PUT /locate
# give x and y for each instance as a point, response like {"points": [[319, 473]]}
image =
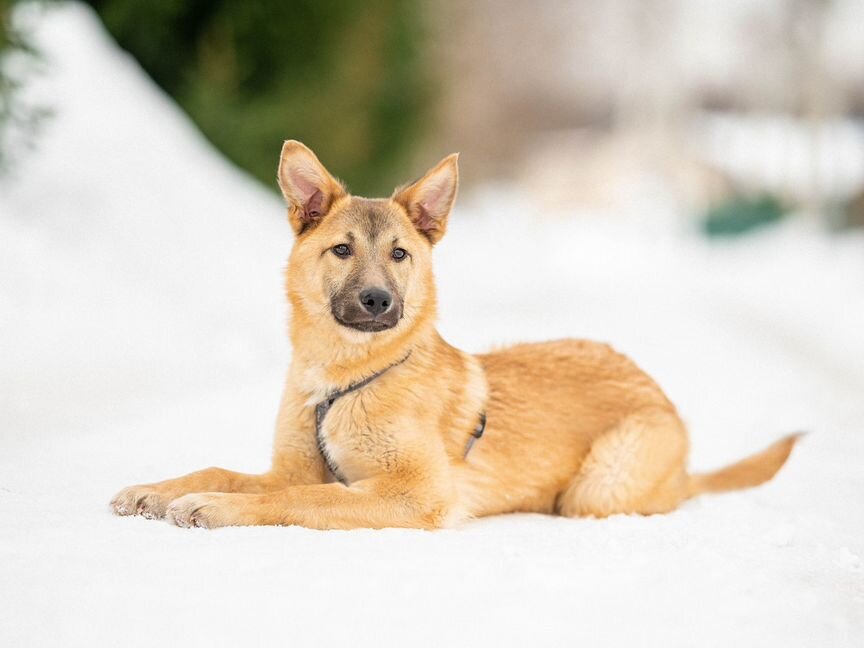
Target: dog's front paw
{"points": [[206, 510], [139, 500]]}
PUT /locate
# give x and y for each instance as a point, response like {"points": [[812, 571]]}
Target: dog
{"points": [[382, 423]]}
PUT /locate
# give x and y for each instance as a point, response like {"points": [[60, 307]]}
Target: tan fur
{"points": [[574, 428]]}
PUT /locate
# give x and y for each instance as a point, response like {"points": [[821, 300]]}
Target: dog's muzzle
{"points": [[371, 310]]}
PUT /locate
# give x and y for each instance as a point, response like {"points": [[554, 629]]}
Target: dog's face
{"points": [[362, 265], [368, 260]]}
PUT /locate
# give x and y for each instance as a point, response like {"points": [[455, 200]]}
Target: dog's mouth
{"points": [[366, 325]]}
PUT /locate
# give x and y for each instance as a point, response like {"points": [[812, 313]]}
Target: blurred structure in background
{"points": [[736, 113], [740, 107]]}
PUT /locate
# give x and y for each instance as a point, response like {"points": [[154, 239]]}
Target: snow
{"points": [[142, 337]]}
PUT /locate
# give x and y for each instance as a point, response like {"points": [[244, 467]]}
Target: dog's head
{"points": [[362, 265]]}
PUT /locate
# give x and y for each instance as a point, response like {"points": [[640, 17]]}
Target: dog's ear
{"points": [[307, 186], [429, 200]]}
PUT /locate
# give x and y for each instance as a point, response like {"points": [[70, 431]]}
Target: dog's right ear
{"points": [[308, 188]]}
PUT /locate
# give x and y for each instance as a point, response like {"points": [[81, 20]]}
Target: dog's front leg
{"points": [[151, 500], [296, 460], [388, 501]]}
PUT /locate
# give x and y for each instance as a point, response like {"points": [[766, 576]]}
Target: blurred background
{"points": [[683, 179], [742, 111]]}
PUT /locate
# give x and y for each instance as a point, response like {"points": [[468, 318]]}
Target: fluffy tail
{"points": [[752, 471]]}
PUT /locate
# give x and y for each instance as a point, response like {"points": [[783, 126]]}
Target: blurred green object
{"points": [[7, 85], [346, 77], [5, 28], [742, 214], [20, 120]]}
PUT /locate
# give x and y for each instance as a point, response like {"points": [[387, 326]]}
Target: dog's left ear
{"points": [[429, 200], [308, 187]]}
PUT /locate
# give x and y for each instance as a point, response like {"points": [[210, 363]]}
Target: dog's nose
{"points": [[375, 300]]}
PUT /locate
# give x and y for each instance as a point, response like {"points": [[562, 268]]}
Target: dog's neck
{"points": [[324, 362]]}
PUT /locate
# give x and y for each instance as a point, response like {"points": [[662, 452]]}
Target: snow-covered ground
{"points": [[141, 336]]}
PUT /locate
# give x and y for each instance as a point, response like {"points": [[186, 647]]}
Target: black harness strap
{"points": [[476, 433]]}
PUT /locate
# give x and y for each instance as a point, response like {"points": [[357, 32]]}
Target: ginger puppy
{"points": [[384, 424]]}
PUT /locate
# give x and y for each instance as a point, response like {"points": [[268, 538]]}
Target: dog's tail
{"points": [[752, 471]]}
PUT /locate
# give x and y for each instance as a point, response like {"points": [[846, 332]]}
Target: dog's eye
{"points": [[342, 250], [398, 254]]}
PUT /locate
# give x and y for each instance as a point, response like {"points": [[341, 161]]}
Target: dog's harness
{"points": [[324, 406], [476, 433]]}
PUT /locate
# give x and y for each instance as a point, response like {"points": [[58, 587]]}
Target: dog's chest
{"points": [[352, 444]]}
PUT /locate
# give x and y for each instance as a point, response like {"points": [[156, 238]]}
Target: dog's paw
{"points": [[205, 510], [139, 500]]}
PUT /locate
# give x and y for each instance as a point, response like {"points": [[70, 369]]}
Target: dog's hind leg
{"points": [[639, 466]]}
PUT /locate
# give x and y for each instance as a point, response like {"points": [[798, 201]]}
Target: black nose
{"points": [[375, 300]]}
